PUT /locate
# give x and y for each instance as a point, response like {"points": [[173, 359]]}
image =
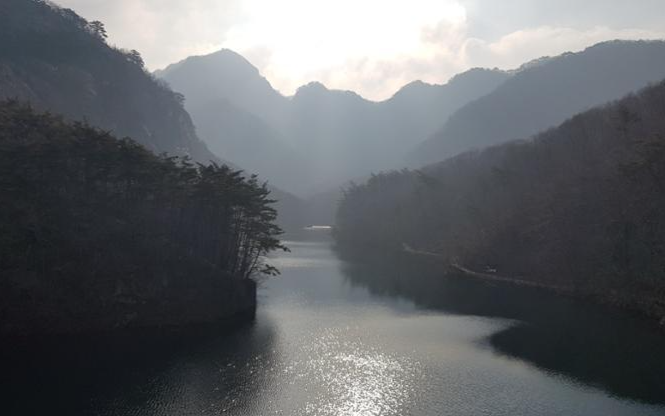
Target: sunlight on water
{"points": [[299, 262], [358, 379]]}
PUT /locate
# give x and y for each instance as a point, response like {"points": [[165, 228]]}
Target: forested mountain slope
{"points": [[98, 233], [580, 207], [60, 62], [545, 93]]}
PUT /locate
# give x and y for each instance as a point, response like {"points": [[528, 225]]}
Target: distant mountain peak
{"points": [[534, 63], [416, 85], [228, 59], [224, 75], [314, 86], [316, 90], [467, 78], [474, 72]]}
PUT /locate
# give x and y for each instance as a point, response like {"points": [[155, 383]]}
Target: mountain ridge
{"points": [[544, 92], [342, 134]]}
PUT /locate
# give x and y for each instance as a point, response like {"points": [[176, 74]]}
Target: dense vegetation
{"points": [[580, 207], [98, 232], [61, 63]]}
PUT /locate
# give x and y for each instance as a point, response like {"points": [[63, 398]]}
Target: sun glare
{"points": [[305, 36]]}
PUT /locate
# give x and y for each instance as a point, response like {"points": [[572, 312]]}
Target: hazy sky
{"points": [[369, 46]]}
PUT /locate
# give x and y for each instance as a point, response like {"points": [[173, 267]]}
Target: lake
{"points": [[334, 338]]}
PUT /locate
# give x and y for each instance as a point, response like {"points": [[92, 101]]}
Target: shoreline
{"points": [[239, 320], [229, 305], [652, 310]]}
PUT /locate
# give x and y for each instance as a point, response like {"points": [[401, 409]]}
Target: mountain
{"points": [[578, 208], [324, 136], [248, 141], [423, 107], [226, 75], [237, 114], [545, 93], [58, 61], [338, 130], [351, 137]]}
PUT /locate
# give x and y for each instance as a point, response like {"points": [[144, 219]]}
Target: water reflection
{"points": [[334, 375], [594, 345]]}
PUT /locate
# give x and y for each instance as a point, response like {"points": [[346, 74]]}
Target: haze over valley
{"points": [[319, 139]]}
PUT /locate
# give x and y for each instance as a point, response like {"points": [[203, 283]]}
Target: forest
{"points": [[577, 208], [98, 232]]}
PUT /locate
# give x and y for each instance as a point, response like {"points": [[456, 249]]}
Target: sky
{"points": [[372, 47]]}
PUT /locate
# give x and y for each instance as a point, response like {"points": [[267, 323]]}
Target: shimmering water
{"points": [[334, 339]]}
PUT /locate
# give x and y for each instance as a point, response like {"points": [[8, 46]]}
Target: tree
{"points": [[82, 211], [135, 57], [98, 29]]}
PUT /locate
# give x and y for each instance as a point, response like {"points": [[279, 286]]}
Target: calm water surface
{"points": [[331, 338]]}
